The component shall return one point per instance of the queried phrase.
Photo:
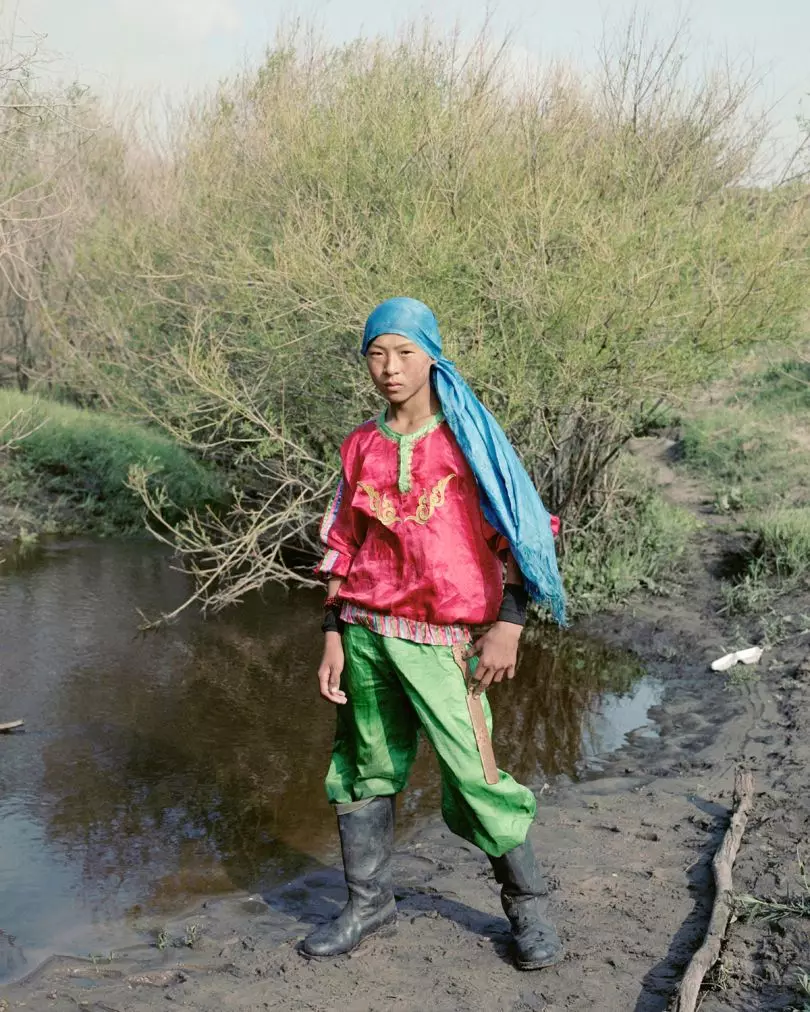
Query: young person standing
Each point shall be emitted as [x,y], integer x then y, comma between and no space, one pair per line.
[432,509]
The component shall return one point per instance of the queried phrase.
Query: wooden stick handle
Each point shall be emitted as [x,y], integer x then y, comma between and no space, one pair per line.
[478,720]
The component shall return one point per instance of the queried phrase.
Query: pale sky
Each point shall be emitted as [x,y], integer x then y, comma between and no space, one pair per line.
[174,45]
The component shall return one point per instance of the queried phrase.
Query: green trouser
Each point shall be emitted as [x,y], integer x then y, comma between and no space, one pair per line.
[394,687]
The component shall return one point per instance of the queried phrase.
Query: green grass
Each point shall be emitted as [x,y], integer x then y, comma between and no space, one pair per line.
[755,449]
[750,592]
[783,388]
[748,461]
[772,911]
[754,453]
[79,460]
[783,540]
[777,562]
[636,545]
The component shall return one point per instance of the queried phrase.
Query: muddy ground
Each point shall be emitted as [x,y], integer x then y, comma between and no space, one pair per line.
[628,856]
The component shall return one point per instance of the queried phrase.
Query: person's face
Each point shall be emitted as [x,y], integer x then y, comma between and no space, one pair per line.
[400,369]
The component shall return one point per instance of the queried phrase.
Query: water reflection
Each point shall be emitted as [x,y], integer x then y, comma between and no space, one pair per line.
[161,767]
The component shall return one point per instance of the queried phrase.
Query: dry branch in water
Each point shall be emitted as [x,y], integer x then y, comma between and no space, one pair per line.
[274,508]
[722,863]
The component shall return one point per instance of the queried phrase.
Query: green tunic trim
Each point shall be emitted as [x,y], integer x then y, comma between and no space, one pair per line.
[406,442]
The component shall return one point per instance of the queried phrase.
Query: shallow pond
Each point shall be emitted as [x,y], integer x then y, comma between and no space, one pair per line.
[159,768]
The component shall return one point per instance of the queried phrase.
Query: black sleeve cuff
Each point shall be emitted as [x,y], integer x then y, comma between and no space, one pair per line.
[332,622]
[514,605]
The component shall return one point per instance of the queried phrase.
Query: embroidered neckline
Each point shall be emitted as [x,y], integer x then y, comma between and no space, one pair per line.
[405,441]
[398,437]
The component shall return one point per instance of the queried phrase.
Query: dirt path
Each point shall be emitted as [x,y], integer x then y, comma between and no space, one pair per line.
[628,855]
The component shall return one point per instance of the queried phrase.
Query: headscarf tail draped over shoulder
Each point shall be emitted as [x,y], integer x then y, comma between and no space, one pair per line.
[509,500]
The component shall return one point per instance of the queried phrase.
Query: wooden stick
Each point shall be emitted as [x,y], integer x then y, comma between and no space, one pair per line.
[475,709]
[722,863]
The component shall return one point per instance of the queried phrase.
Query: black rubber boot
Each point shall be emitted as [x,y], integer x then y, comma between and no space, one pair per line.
[523,891]
[367,841]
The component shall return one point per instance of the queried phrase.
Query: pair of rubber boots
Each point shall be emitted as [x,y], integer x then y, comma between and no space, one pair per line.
[367,842]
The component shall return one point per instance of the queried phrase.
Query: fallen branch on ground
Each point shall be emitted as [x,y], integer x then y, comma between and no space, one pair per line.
[722,863]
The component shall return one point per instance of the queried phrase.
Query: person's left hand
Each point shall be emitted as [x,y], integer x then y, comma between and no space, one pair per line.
[496,651]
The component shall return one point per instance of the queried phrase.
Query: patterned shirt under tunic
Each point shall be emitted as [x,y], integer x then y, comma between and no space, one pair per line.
[406,530]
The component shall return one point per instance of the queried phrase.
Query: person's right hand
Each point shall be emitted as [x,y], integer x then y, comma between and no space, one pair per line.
[331,669]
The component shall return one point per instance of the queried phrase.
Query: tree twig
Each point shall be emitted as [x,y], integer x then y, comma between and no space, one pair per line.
[722,863]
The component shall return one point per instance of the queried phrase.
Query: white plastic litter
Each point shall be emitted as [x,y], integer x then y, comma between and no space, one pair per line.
[748,656]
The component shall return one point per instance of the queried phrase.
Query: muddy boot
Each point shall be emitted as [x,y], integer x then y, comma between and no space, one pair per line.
[523,891]
[367,840]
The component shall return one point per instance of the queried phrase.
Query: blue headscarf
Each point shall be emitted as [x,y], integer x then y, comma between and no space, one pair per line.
[509,500]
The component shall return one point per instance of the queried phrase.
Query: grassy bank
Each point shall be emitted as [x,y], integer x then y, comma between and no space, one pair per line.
[66,469]
[752,448]
[636,542]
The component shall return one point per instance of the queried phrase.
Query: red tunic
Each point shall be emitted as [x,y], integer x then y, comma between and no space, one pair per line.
[406,530]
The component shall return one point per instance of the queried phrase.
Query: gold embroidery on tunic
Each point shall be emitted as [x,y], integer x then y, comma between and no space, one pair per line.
[381,506]
[429,503]
[386,512]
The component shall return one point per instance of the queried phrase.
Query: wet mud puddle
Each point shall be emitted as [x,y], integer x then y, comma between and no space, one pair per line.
[158,769]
